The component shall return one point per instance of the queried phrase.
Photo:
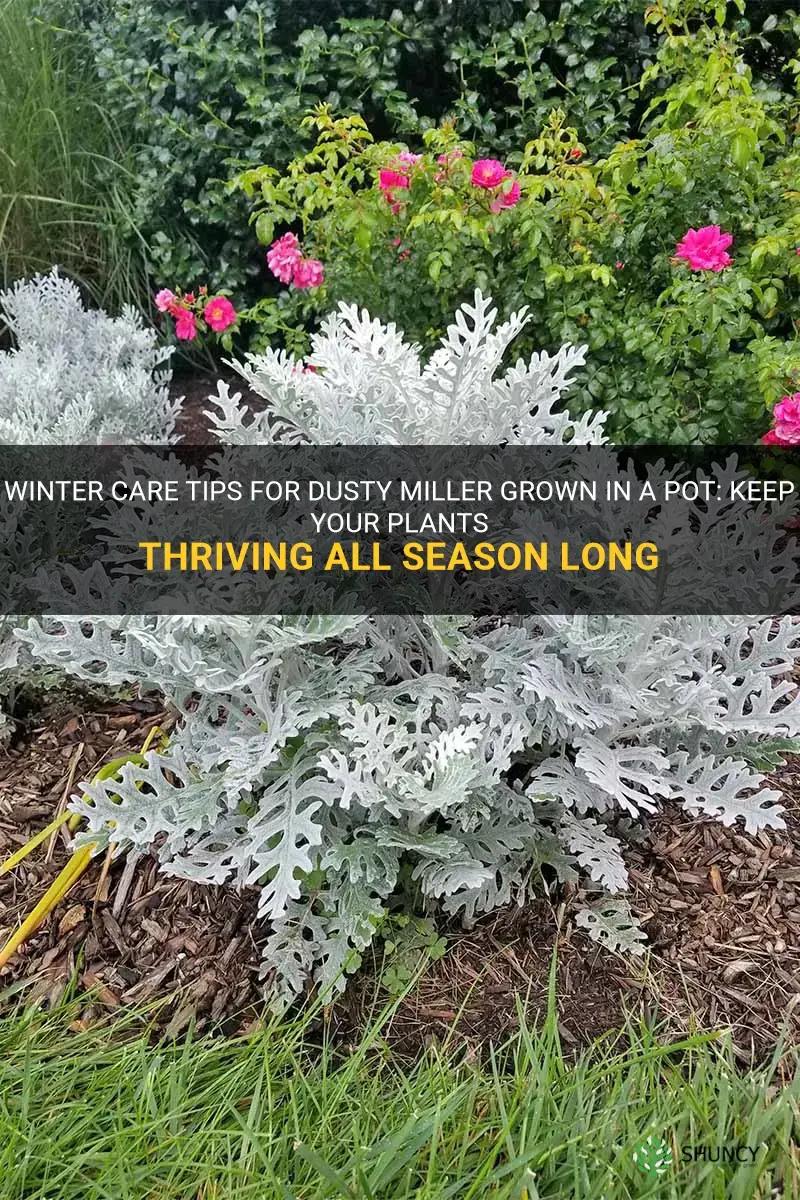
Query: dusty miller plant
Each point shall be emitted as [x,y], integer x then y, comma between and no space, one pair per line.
[320,756]
[73,376]
[77,375]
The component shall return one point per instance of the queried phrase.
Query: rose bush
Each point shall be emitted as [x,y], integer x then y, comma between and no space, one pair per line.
[197,314]
[200,85]
[196,87]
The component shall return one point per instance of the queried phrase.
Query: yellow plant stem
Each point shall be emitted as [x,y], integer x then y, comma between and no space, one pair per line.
[72,871]
[61,885]
[16,858]
[148,741]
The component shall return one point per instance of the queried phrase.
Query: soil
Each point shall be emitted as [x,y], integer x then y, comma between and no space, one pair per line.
[474,994]
[720,907]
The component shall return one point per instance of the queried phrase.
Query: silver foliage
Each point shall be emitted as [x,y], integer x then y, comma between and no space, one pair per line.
[73,377]
[365,384]
[76,375]
[610,922]
[316,755]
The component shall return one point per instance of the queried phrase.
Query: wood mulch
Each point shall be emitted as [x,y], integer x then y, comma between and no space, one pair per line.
[721,911]
[720,908]
[137,936]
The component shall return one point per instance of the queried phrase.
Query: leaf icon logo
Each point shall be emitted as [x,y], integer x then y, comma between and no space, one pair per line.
[653,1156]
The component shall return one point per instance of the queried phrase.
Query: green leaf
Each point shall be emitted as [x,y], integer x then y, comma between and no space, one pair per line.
[265,228]
[741,149]
[363,237]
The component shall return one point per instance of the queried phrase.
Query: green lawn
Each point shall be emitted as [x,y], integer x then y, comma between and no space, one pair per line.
[283,1114]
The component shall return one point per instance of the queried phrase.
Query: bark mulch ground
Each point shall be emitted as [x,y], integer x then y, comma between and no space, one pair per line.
[136,936]
[721,911]
[720,908]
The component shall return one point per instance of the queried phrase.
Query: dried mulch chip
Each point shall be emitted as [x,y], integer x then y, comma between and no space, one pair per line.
[720,908]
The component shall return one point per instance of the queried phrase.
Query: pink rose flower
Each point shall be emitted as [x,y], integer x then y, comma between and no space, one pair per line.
[396,176]
[618,265]
[308,273]
[219,313]
[788,409]
[488,173]
[283,256]
[705,249]
[771,438]
[185,325]
[507,199]
[388,181]
[511,197]
[786,416]
[163,299]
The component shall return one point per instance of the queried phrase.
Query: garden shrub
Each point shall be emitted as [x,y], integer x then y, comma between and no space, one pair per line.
[77,375]
[333,760]
[203,88]
[677,353]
